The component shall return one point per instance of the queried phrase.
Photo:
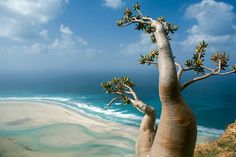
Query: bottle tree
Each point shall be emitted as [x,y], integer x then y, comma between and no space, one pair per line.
[175,135]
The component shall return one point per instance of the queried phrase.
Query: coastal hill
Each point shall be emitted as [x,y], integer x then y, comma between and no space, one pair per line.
[224,146]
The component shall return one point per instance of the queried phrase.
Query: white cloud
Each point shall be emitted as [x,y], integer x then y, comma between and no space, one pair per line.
[67,42]
[196,38]
[113,3]
[37,48]
[43,33]
[214,22]
[68,51]
[143,45]
[65,30]
[24,19]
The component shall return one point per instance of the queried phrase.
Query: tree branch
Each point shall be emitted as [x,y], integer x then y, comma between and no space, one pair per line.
[113,100]
[148,18]
[144,20]
[134,19]
[131,91]
[138,104]
[151,62]
[227,73]
[219,68]
[140,13]
[142,107]
[195,80]
[214,72]
[180,70]
[210,69]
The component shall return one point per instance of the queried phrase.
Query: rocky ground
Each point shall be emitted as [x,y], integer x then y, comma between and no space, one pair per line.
[224,146]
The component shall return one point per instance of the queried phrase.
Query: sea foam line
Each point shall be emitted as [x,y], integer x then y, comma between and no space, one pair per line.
[110,112]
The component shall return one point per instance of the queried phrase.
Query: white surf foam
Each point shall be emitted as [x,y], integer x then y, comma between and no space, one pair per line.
[109,112]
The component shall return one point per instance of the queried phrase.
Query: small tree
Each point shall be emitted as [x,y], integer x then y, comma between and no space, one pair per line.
[175,135]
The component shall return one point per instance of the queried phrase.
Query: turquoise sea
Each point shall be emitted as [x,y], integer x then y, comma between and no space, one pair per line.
[212,100]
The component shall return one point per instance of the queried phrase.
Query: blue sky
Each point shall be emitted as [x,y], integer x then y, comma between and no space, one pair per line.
[81,35]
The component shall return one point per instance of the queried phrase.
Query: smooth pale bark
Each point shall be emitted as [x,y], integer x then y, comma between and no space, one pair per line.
[147,129]
[176,134]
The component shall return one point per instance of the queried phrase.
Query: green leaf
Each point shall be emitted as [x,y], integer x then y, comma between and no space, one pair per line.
[220,57]
[125,100]
[140,26]
[154,53]
[119,22]
[234,68]
[136,6]
[127,13]
[161,19]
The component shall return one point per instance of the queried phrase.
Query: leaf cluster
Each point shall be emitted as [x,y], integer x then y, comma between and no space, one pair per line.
[136,6]
[219,58]
[149,59]
[197,60]
[134,13]
[118,86]
[223,58]
[143,23]
[169,27]
[234,68]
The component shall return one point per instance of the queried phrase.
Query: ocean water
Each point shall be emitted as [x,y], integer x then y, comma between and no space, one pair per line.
[212,100]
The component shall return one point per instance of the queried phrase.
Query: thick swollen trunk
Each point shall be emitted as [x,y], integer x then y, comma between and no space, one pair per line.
[176,134]
[145,137]
[147,129]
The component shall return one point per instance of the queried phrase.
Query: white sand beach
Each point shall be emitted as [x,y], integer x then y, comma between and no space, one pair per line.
[35,129]
[67,129]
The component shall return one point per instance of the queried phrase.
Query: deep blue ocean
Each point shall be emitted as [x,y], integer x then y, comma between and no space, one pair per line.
[212,100]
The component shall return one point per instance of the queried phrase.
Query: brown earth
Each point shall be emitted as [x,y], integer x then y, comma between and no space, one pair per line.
[224,146]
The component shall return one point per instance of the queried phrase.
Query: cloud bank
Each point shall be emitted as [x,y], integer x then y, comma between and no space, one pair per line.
[214,22]
[24,19]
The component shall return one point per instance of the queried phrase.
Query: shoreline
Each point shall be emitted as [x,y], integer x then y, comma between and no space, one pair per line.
[76,116]
[41,125]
